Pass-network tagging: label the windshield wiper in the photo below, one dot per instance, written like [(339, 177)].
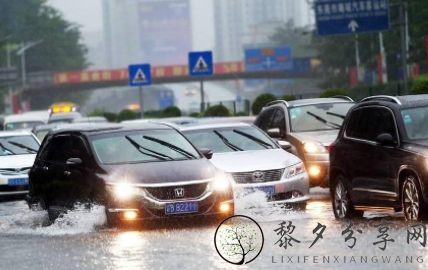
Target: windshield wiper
[(254, 139), (337, 115), (171, 146), (330, 124), (226, 142), (142, 150), (28, 149), (6, 149)]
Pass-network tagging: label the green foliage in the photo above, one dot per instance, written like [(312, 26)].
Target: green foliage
[(420, 85), (127, 115), (152, 114), (241, 114), (216, 111), (111, 117), (195, 114), (171, 111), (26, 21), (288, 97), (261, 101), (334, 92)]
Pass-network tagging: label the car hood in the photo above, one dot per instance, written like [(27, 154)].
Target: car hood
[(162, 172), (17, 161), (248, 161), (326, 137)]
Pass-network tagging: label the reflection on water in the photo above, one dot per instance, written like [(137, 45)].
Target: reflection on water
[(127, 250)]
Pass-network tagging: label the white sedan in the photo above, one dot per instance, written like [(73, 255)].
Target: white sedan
[(256, 162), (18, 151)]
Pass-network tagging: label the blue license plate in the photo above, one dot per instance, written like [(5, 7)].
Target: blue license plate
[(268, 190), (181, 208), (18, 182)]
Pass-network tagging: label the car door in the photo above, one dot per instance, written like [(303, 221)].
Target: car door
[(38, 171), (56, 187), (370, 164), (81, 177)]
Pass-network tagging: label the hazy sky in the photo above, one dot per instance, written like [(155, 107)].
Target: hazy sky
[(88, 14)]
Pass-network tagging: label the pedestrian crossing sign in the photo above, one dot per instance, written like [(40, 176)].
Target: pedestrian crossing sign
[(140, 75), (201, 64)]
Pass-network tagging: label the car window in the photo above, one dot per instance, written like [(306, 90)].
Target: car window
[(372, 122), (22, 125), (142, 146), (18, 145), (352, 127), (279, 121), (60, 149), (235, 137), (79, 149), (415, 122), (44, 149), (267, 119), (318, 117)]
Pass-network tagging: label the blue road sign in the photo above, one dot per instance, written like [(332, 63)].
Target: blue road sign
[(268, 59), (201, 64), (351, 17), (140, 75)]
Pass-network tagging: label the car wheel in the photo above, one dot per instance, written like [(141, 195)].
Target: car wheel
[(412, 199), (342, 204)]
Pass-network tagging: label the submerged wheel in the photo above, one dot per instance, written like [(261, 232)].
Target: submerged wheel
[(412, 200)]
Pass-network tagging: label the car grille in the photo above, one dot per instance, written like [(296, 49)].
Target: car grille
[(5, 188), (14, 171), (169, 193), (248, 177)]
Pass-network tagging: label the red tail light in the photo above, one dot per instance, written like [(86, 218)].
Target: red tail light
[(330, 148)]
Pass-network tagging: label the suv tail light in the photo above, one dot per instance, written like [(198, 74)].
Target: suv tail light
[(330, 148)]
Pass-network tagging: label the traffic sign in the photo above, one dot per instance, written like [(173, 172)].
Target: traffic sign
[(351, 17), (140, 75), (201, 64), (261, 59)]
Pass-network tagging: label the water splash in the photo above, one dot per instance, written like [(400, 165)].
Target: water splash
[(36, 222)]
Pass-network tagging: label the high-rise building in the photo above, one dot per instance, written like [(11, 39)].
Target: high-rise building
[(147, 31), (243, 22)]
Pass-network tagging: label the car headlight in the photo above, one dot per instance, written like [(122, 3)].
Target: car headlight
[(124, 191), (314, 148), (221, 183), (295, 169)]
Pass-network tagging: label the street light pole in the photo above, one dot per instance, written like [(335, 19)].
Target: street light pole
[(21, 52)]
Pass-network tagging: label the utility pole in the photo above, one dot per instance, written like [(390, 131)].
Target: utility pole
[(21, 52), (383, 59), (403, 35), (202, 97), (357, 58)]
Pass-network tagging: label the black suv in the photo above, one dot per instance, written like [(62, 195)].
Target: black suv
[(140, 172), (379, 161), (309, 126)]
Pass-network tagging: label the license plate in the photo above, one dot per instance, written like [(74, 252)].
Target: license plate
[(181, 208), (18, 182), (268, 190)]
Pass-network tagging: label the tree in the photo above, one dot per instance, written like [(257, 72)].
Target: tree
[(111, 117), (216, 111), (25, 21), (171, 111), (127, 115), (261, 101), (288, 97), (420, 85), (238, 239), (334, 92)]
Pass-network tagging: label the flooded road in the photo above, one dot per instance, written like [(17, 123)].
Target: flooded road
[(80, 240)]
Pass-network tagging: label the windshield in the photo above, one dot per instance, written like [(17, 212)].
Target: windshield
[(142, 146), (237, 139), (326, 116), (18, 145), (41, 134), (415, 121), (22, 125)]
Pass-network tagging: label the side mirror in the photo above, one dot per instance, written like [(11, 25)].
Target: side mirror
[(274, 133), (385, 139), (284, 145), (74, 163), (208, 153)]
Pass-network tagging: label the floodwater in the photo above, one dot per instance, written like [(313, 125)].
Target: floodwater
[(80, 240)]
